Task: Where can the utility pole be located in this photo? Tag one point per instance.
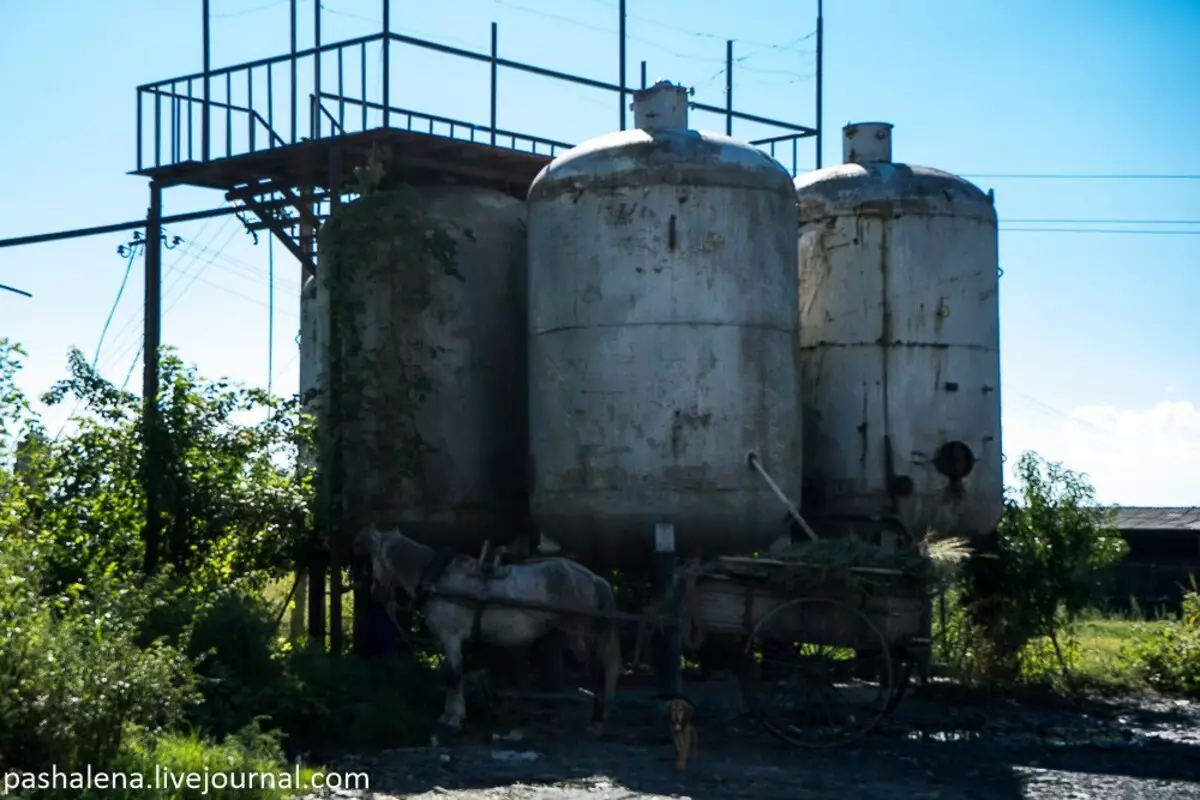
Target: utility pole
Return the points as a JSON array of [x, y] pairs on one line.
[[151, 339]]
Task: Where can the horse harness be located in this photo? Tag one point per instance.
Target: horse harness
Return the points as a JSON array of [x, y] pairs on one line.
[[428, 580]]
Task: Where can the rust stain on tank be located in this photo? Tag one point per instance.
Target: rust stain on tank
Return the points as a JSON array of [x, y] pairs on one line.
[[688, 478], [683, 421], [712, 243], [939, 316], [621, 213]]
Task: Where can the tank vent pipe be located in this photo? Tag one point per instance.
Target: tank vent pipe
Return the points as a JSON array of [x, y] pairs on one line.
[[752, 460], [867, 143], [662, 107]]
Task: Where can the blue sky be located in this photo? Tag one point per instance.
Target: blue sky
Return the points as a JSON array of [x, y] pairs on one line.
[[1099, 338]]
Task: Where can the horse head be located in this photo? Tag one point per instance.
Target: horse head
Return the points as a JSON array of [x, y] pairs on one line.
[[366, 540]]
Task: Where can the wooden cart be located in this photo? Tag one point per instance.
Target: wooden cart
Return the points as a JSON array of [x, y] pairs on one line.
[[825, 652]]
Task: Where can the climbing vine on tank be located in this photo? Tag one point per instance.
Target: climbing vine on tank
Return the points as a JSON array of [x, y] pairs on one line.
[[380, 259]]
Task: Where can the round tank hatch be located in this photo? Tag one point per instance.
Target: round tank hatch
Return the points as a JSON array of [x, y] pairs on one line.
[[954, 460]]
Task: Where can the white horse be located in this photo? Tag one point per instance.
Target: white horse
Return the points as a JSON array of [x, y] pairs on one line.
[[557, 583]]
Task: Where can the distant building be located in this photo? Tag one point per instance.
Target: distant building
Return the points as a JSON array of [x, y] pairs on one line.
[[1164, 554]]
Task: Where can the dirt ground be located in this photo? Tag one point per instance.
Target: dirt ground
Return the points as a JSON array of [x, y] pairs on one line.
[[936, 745]]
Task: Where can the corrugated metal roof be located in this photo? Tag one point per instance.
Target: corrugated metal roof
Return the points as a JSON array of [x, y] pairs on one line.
[[1162, 519]]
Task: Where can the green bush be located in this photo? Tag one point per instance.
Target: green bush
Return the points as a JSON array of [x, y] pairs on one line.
[[73, 680], [1167, 656], [1022, 595], [327, 704]]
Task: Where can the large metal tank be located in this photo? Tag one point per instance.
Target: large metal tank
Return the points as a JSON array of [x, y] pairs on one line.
[[900, 341], [461, 359], [662, 339]]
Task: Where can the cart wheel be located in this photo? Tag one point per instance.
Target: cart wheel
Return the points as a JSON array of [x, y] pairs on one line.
[[804, 685]]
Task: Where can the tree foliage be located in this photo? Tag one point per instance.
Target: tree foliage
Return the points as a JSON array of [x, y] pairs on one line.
[[104, 665], [1050, 548], [88, 645], [234, 506]]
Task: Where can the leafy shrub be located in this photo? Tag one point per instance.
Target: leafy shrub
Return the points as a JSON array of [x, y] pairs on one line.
[[72, 678], [328, 703], [233, 644], [1167, 656], [1023, 593]]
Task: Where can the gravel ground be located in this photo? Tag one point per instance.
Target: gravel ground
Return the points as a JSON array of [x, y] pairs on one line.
[[935, 746]]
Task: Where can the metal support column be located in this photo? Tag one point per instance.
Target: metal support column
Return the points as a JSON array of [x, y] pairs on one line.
[[495, 79], [317, 67], [295, 90], [820, 64], [669, 666], [621, 71], [387, 61], [204, 110], [151, 339]]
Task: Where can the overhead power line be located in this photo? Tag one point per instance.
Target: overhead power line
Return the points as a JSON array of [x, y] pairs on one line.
[[1114, 231], [1081, 176], [14, 290], [133, 252], [1060, 221]]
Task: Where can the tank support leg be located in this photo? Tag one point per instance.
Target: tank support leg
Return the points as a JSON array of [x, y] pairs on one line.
[[670, 655]]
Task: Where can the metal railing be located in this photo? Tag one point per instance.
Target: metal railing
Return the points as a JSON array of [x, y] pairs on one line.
[[429, 124], [232, 111]]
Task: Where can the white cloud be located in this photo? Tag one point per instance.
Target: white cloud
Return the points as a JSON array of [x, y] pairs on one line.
[[1134, 457]]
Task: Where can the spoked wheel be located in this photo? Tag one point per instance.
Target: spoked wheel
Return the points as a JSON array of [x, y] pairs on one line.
[[804, 685]]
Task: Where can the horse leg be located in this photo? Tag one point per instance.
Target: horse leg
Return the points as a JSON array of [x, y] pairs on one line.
[[455, 711], [583, 647]]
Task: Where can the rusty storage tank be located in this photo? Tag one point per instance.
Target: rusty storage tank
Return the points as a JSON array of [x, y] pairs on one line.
[[662, 339], [432, 353], [899, 333]]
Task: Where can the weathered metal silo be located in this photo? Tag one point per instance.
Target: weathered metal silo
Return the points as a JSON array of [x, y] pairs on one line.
[[662, 339], [899, 333], [428, 414]]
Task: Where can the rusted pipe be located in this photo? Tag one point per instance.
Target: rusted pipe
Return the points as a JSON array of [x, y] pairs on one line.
[[752, 460]]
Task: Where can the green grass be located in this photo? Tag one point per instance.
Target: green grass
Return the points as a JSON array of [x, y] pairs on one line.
[[1101, 644], [185, 756], [174, 766]]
